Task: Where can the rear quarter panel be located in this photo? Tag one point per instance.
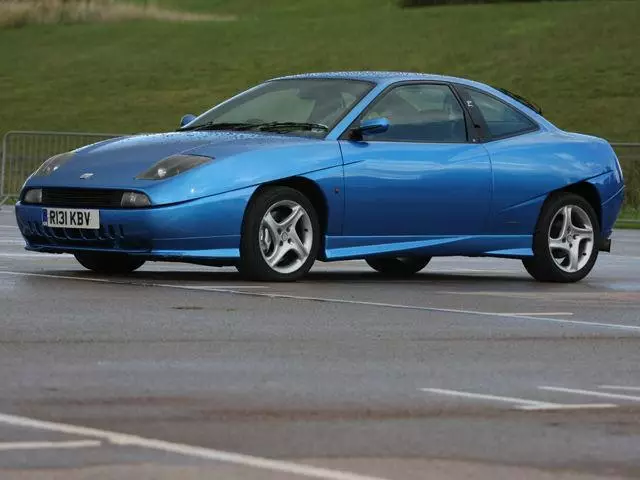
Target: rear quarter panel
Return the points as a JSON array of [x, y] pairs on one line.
[[527, 168]]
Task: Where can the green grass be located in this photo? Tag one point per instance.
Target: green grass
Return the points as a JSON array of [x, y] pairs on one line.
[[577, 59]]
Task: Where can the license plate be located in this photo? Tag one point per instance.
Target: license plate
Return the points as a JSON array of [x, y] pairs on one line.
[[71, 218]]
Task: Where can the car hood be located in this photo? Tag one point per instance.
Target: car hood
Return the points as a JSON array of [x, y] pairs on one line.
[[116, 162]]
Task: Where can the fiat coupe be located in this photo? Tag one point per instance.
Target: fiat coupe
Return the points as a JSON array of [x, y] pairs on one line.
[[392, 168]]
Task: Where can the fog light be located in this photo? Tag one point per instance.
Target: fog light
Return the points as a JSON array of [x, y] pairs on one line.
[[134, 200], [33, 196]]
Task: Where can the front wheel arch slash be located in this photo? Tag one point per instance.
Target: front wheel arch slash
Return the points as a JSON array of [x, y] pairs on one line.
[[309, 189]]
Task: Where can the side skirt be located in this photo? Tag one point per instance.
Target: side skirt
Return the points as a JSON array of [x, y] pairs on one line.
[[506, 246]]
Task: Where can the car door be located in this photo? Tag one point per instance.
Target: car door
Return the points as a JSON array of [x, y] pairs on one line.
[[424, 176]]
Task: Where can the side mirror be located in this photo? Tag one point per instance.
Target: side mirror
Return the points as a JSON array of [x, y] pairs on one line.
[[187, 119], [370, 127]]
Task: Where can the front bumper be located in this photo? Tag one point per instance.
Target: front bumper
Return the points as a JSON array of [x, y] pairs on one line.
[[207, 228]]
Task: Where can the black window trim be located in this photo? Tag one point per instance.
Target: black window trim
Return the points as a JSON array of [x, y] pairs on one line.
[[471, 137], [478, 118]]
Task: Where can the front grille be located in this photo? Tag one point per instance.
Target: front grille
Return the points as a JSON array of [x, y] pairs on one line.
[[108, 237], [81, 198]]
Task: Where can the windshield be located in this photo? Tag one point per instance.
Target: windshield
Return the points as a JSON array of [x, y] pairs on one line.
[[304, 107]]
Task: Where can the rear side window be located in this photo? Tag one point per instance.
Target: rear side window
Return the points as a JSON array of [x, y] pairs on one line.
[[502, 120]]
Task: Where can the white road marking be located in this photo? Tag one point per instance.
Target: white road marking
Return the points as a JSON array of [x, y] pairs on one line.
[[41, 256], [570, 406], [620, 387], [442, 310], [9, 227], [231, 290], [520, 403], [186, 450], [590, 393], [17, 241], [481, 396], [212, 288], [541, 314], [5, 446]]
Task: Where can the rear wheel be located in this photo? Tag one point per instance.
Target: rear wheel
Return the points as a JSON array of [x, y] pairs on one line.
[[398, 266], [280, 236], [109, 263], [565, 245]]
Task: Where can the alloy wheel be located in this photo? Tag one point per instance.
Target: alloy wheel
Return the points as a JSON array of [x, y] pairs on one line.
[[571, 238], [285, 236]]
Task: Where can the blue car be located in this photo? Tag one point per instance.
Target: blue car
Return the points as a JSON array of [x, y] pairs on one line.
[[392, 168]]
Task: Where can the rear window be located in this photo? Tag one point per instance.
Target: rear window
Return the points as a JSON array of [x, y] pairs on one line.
[[502, 119], [520, 99]]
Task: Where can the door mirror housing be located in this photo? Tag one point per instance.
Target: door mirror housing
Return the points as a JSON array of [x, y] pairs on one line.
[[187, 119], [370, 127]]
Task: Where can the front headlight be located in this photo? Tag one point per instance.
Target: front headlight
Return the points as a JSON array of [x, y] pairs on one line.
[[172, 166], [134, 200], [53, 164]]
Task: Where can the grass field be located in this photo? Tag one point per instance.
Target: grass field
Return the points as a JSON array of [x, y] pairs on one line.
[[578, 60]]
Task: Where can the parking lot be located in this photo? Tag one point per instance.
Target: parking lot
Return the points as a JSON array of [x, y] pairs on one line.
[[468, 370]]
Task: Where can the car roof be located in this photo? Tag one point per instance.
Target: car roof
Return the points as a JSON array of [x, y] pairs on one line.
[[385, 78], [382, 77]]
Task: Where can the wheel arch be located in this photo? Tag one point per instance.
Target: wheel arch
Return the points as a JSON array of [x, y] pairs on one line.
[[590, 193], [309, 189]]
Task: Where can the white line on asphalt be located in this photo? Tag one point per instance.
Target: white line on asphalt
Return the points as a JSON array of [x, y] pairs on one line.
[[633, 328], [481, 396], [17, 241], [570, 406], [620, 387], [41, 256], [590, 393], [541, 314], [520, 403], [46, 445], [231, 290], [436, 309], [187, 450], [212, 288]]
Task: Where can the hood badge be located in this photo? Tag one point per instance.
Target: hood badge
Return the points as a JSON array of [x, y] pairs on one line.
[[86, 176]]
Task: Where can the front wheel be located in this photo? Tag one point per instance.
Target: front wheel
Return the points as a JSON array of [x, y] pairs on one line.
[[565, 245], [398, 266], [109, 263], [280, 236]]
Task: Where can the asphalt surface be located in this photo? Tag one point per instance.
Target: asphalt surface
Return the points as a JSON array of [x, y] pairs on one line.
[[468, 370]]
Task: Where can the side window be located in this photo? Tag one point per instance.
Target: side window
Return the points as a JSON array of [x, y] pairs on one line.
[[502, 120], [419, 113]]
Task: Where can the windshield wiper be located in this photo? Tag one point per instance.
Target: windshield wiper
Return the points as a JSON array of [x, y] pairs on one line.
[[267, 127], [289, 126], [221, 126]]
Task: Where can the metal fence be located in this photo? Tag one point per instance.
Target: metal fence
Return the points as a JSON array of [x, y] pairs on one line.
[[629, 156], [23, 152]]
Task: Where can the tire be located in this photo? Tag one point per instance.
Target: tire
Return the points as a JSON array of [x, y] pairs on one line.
[[276, 244], [109, 263], [398, 266], [564, 252]]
